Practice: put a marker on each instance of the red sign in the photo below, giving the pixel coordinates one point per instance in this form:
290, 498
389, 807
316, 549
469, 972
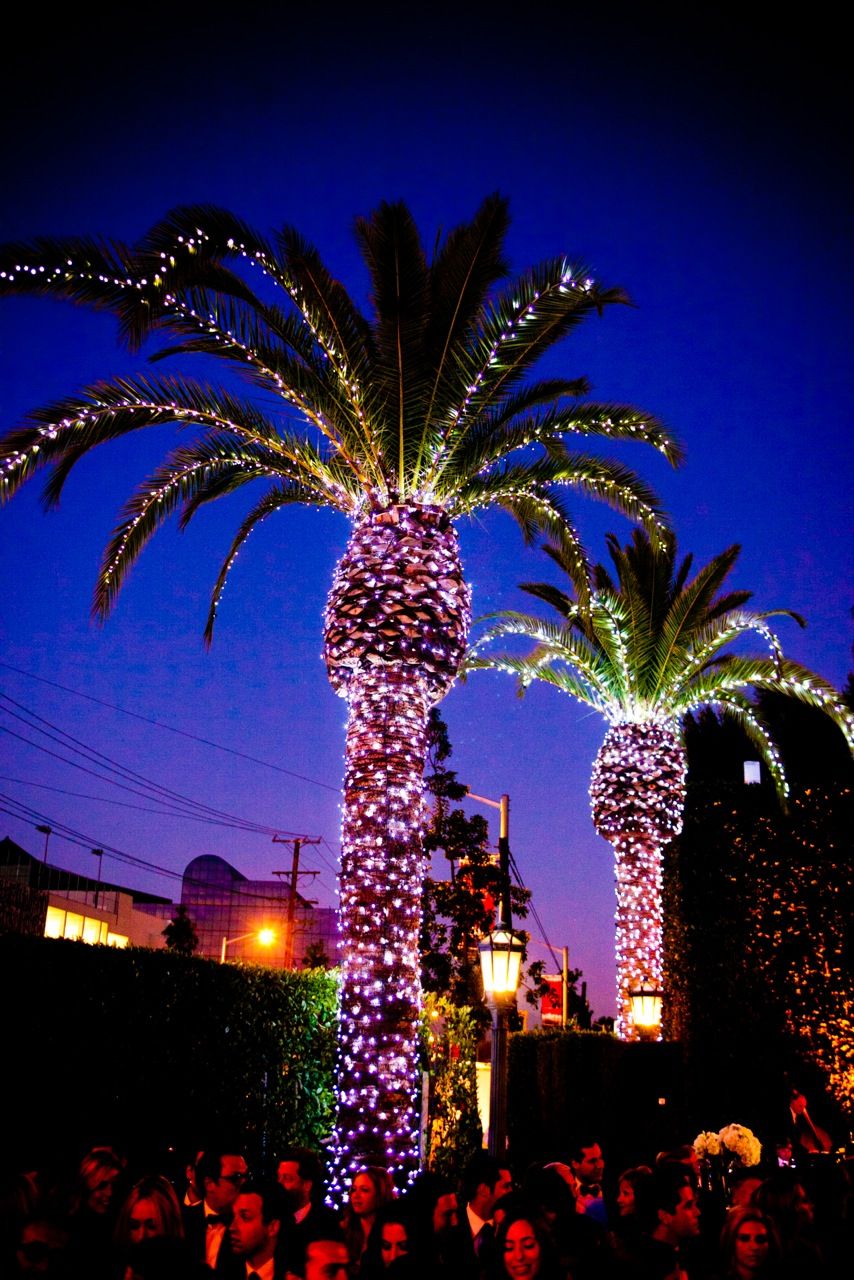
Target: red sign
551, 1004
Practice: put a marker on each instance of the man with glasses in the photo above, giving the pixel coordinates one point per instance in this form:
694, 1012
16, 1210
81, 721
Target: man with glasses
219, 1176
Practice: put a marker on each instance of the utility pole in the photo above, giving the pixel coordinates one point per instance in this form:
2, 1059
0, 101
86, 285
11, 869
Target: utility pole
99, 854
295, 873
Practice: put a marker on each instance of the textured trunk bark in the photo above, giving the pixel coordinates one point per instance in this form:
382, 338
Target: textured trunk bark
382, 871
396, 625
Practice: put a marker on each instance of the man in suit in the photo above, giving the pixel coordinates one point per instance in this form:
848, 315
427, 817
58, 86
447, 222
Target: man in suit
300, 1174
260, 1214
471, 1245
219, 1176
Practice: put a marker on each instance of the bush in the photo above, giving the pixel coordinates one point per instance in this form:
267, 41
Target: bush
156, 1051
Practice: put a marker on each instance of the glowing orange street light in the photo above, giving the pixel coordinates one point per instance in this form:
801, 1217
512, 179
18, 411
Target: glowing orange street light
266, 938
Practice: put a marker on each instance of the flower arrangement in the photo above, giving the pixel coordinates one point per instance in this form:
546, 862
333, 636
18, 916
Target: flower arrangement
740, 1142
707, 1144
734, 1141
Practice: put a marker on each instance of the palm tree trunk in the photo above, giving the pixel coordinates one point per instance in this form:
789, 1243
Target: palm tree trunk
396, 625
637, 795
382, 873
638, 923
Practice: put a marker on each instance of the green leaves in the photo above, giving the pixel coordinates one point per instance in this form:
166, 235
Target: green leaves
425, 400
651, 643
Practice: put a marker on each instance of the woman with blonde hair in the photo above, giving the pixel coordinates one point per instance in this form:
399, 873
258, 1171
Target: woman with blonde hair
150, 1210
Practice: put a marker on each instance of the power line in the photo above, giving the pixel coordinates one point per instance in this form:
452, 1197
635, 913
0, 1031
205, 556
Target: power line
175, 801
84, 841
136, 715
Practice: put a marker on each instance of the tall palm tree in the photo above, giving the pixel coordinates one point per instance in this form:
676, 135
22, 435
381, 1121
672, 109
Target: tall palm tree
404, 422
643, 650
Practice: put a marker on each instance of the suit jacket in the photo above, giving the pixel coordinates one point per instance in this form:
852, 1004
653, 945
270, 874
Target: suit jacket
318, 1219
195, 1231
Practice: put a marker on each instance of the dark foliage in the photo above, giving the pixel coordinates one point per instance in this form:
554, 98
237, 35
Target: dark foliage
150, 1050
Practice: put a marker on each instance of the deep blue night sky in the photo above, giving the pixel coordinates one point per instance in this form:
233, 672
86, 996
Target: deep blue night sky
699, 166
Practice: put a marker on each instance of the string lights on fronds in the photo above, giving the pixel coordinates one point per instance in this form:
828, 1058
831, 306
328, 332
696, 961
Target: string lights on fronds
403, 420
644, 649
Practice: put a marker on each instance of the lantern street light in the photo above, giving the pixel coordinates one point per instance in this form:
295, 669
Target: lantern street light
646, 1001
266, 937
500, 962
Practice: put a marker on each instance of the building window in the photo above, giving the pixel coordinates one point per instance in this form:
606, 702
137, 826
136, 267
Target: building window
68, 924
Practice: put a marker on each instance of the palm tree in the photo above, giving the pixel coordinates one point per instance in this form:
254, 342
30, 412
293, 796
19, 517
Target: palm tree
403, 422
643, 651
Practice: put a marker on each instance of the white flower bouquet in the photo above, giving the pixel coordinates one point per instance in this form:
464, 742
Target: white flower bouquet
707, 1144
740, 1142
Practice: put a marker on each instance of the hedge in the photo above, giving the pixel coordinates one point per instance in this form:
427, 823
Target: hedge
158, 1052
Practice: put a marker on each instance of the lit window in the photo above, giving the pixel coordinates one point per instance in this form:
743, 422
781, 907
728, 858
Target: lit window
94, 930
54, 925
117, 940
73, 925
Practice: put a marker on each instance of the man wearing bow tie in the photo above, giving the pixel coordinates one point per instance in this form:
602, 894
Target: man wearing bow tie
219, 1176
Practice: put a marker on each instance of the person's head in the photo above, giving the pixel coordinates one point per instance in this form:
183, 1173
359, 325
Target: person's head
784, 1198
586, 1161
395, 1234
743, 1185
99, 1172
676, 1204
321, 1259
522, 1241
636, 1193
300, 1173
220, 1175
259, 1208
432, 1200
40, 1245
749, 1242
478, 1185
372, 1188
546, 1187
684, 1155
150, 1210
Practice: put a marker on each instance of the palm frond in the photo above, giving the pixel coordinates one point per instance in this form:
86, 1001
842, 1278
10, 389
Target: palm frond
276, 498
109, 410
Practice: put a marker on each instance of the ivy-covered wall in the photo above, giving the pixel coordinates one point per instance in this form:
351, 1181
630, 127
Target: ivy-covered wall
153, 1051
566, 1084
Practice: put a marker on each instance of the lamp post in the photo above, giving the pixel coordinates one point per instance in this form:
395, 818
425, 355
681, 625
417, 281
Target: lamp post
500, 962
646, 1001
266, 937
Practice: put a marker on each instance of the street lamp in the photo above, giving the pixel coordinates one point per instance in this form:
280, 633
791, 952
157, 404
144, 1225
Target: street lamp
500, 963
646, 1001
266, 937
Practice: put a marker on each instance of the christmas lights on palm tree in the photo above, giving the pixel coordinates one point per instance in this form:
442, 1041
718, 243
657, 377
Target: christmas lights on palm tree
643, 649
403, 421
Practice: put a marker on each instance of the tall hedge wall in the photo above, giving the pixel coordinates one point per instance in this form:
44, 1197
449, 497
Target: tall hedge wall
153, 1051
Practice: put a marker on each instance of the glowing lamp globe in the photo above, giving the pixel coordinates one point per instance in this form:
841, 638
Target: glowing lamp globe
501, 961
646, 1000
266, 937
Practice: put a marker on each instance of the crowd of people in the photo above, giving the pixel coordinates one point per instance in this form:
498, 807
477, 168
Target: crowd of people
562, 1219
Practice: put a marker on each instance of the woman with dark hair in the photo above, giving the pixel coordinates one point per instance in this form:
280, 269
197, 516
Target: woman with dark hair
392, 1237
371, 1190
750, 1246
636, 1197
524, 1249
784, 1199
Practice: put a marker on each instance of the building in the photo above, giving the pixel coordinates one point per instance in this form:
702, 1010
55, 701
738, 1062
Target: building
37, 897
224, 905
